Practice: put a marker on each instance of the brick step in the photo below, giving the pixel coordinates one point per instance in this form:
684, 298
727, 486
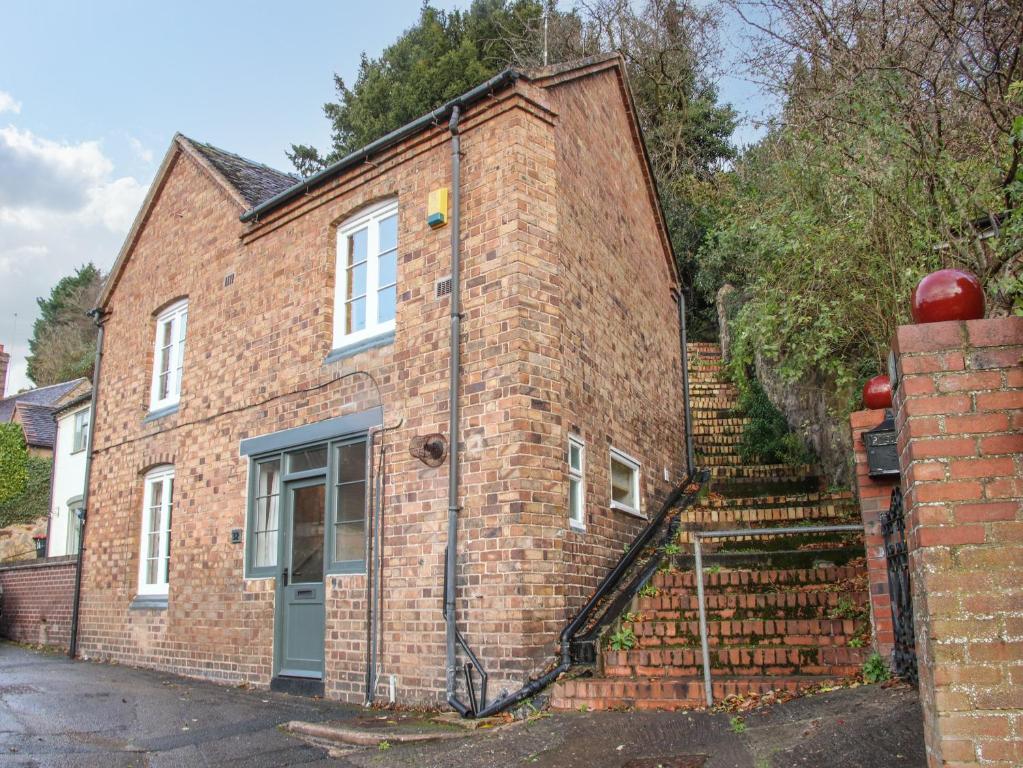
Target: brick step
705, 518
768, 472
718, 450
685, 605
714, 402
710, 429
837, 661
717, 439
730, 459
663, 633
839, 499
752, 580
703, 345
603, 693
766, 543
716, 387
774, 559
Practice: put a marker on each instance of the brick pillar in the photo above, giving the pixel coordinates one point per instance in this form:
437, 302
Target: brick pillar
5, 361
875, 498
959, 407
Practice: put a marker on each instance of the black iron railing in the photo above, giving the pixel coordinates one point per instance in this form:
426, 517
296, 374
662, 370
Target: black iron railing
893, 527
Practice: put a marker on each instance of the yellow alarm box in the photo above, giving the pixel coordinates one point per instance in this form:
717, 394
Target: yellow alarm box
437, 208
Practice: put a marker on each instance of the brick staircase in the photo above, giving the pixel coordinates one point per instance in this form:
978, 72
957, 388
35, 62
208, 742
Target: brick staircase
781, 610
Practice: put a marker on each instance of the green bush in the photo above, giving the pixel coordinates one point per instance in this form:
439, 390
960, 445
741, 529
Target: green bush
875, 669
767, 437
13, 458
34, 501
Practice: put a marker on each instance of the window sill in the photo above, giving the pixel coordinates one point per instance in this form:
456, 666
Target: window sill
348, 350
628, 510
148, 603
159, 413
577, 527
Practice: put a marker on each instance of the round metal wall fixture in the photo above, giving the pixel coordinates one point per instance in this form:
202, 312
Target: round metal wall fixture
429, 449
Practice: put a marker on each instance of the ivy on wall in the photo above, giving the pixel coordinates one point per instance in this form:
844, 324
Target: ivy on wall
13, 459
24, 479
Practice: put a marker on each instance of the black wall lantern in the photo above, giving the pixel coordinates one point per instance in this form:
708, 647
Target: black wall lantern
882, 453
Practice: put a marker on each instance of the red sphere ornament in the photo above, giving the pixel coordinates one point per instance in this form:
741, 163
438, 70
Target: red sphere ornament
877, 393
948, 294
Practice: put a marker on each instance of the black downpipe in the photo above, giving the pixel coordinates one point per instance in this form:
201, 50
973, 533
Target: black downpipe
98, 317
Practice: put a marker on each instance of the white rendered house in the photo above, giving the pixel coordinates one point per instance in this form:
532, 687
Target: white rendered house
68, 486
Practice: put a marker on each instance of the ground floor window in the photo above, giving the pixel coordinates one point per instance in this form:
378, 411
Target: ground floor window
282, 486
156, 529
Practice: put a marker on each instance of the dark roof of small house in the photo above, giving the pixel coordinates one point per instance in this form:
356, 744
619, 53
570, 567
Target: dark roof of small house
254, 181
49, 396
38, 424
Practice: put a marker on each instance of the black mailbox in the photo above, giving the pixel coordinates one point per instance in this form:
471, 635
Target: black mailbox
882, 455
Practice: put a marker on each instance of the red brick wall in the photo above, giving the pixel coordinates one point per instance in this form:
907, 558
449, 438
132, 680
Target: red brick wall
960, 422
875, 498
35, 606
254, 365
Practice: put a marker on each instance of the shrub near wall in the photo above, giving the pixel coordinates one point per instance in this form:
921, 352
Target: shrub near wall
34, 500
13, 458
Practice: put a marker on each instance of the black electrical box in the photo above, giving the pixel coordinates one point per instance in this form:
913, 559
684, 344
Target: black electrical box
882, 454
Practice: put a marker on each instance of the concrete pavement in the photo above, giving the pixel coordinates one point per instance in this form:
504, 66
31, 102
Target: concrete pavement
55, 712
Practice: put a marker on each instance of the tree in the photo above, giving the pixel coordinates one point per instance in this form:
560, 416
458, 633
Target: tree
667, 46
440, 57
63, 343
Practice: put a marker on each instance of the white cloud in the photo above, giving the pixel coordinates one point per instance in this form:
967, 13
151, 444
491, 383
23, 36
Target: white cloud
141, 151
62, 205
8, 104
36, 172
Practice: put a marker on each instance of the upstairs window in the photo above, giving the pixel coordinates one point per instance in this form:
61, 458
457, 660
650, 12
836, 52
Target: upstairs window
81, 434
154, 555
366, 290
168, 356
624, 483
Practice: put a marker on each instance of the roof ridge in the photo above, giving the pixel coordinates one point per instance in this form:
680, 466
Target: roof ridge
246, 160
40, 389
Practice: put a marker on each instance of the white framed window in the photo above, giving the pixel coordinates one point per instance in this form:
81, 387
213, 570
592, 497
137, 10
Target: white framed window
624, 483
366, 287
154, 556
576, 482
81, 434
168, 356
74, 525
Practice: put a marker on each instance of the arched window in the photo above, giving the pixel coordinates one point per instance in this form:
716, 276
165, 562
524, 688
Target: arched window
154, 554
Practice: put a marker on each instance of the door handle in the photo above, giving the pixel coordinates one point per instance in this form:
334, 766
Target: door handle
284, 578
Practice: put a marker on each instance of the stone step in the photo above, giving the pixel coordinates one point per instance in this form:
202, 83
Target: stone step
837, 661
663, 633
604, 693
819, 604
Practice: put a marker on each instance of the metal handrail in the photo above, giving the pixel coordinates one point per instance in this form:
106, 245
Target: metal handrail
697, 552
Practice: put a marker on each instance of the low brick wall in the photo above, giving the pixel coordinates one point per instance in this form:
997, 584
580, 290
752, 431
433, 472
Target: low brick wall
875, 498
959, 415
36, 603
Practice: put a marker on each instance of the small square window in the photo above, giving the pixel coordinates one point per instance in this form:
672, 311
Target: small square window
81, 434
576, 483
624, 483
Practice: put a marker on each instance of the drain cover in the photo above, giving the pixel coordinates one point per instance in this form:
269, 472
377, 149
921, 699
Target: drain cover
674, 761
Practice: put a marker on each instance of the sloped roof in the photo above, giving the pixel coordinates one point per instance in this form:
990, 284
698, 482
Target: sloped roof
38, 424
50, 396
254, 181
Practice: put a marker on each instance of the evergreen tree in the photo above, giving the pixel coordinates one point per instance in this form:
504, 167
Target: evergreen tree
63, 342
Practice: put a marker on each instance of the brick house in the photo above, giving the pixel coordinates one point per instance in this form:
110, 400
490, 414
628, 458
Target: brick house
307, 541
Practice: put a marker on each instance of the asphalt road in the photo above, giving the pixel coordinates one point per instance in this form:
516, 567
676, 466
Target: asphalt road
55, 712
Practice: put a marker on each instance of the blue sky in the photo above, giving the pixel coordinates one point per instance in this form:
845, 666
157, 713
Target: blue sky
91, 93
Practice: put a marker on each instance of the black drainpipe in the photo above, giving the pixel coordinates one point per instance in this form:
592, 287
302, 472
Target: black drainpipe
98, 316
451, 553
